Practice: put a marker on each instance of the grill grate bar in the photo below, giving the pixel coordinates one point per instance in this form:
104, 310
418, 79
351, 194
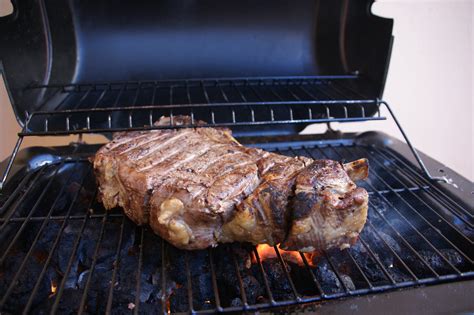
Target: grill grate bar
83, 97
287, 274
214, 281
212, 123
417, 231
22, 198
101, 96
392, 251
53, 248
359, 269
164, 292
92, 267
119, 94
30, 214
395, 230
405, 242
62, 102
189, 283
71, 260
14, 196
434, 191
270, 93
30, 251
423, 217
377, 260
412, 226
139, 273
57, 91
116, 265
373, 246
315, 280
264, 275
336, 272
243, 294
62, 217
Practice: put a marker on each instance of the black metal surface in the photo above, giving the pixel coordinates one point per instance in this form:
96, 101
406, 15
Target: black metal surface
48, 42
416, 234
262, 103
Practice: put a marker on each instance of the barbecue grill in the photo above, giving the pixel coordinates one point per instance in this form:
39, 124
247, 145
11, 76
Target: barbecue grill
266, 69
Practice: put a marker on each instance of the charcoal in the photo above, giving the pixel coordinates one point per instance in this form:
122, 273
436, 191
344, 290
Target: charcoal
236, 302
435, 261
124, 303
177, 266
241, 254
179, 300
383, 254
70, 302
148, 308
202, 291
146, 291
227, 278
156, 277
47, 238
303, 279
453, 257
63, 252
151, 246
108, 249
368, 265
348, 282
252, 288
398, 275
100, 279
281, 288
378, 204
127, 274
415, 264
327, 278
25, 283
390, 241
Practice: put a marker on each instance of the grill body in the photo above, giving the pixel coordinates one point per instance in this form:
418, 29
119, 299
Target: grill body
265, 69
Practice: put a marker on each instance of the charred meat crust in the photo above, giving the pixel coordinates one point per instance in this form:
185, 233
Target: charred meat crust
329, 210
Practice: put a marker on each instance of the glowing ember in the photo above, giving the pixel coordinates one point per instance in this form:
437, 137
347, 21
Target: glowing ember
54, 287
267, 252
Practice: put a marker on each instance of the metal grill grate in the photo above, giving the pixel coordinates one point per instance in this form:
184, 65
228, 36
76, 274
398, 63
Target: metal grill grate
61, 252
103, 107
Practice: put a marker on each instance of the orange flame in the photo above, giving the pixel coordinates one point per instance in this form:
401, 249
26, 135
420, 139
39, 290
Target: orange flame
267, 252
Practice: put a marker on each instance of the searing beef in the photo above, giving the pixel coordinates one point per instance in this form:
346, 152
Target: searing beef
328, 209
197, 187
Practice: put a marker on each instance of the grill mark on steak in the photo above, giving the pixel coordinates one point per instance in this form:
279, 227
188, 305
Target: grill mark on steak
122, 141
139, 146
162, 145
204, 167
176, 160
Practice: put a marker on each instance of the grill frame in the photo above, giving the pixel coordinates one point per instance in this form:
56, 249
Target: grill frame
345, 148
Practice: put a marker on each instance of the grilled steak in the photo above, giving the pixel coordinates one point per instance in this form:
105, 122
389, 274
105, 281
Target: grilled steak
197, 187
328, 209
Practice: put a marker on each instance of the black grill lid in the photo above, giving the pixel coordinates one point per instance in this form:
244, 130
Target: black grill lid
45, 43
